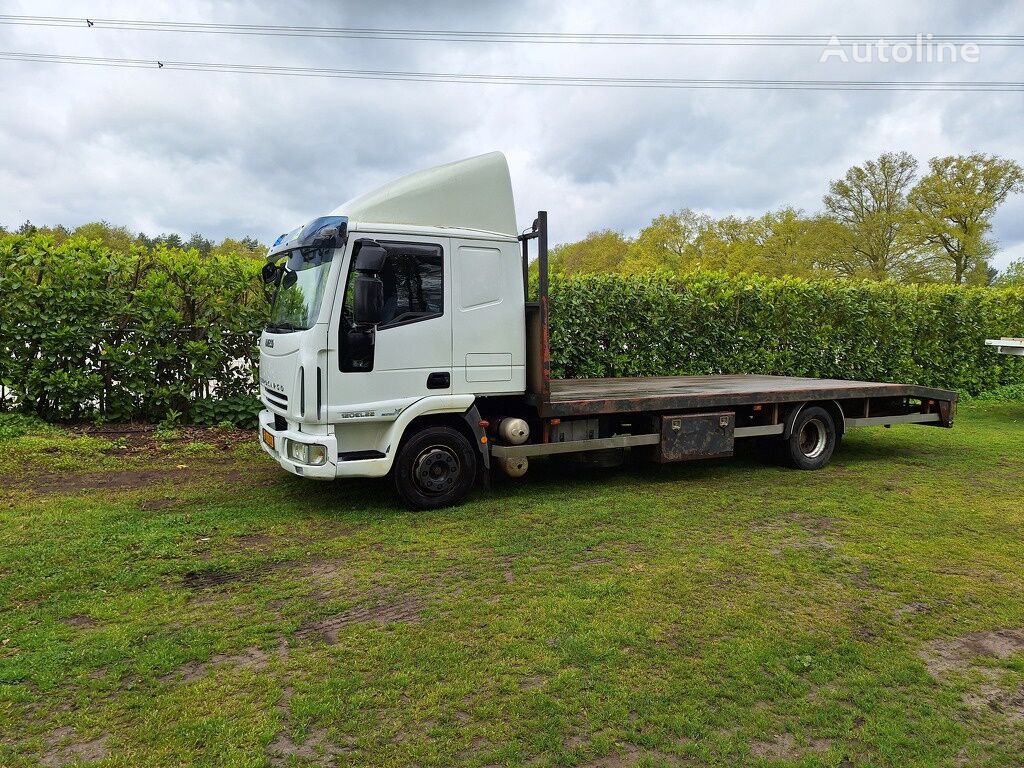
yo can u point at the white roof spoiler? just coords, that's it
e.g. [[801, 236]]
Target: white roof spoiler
[[475, 193]]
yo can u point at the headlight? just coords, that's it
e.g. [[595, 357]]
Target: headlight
[[303, 453], [298, 452], [317, 455]]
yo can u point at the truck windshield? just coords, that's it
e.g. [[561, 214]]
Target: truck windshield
[[300, 290]]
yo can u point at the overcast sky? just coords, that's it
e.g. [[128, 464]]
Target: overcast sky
[[230, 155]]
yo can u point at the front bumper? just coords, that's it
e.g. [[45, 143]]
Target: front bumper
[[326, 471]]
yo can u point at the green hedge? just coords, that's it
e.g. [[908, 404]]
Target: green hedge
[[607, 325], [86, 332]]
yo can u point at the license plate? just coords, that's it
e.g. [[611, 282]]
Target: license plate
[[268, 438]]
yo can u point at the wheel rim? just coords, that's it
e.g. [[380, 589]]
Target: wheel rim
[[436, 470], [813, 438]]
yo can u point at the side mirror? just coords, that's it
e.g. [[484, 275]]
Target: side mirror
[[368, 301], [270, 273], [289, 279], [370, 257]]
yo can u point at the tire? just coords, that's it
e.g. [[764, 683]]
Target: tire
[[435, 467], [813, 441]]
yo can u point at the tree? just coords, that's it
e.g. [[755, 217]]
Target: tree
[[172, 240], [119, 239], [726, 243], [1013, 274], [199, 243], [669, 242], [798, 245], [954, 204], [871, 200], [783, 242], [251, 243], [247, 247], [598, 252]]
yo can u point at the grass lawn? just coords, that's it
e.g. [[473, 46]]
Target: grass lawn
[[191, 603]]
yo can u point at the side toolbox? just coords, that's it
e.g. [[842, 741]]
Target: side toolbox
[[696, 436]]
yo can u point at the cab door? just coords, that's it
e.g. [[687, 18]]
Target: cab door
[[412, 348]]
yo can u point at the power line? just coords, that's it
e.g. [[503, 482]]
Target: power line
[[465, 36], [530, 80]]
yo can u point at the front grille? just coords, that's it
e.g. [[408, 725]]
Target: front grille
[[277, 399]]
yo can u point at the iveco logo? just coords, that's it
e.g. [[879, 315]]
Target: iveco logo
[[272, 386], [268, 343]]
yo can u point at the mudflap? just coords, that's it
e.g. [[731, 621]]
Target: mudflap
[[472, 417]]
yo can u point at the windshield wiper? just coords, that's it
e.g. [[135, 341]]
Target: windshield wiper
[[284, 326]]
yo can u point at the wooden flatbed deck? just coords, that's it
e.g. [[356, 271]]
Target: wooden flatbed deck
[[591, 397]]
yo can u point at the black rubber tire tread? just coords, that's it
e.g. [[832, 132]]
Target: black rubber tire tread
[[794, 457], [402, 472]]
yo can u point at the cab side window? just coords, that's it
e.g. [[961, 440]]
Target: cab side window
[[413, 278]]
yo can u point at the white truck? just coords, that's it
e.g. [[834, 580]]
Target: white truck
[[401, 343]]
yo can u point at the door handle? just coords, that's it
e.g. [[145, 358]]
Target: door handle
[[439, 380]]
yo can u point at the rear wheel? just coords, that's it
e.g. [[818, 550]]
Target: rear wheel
[[813, 440], [434, 468]]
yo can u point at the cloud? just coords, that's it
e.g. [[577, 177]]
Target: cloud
[[243, 154]]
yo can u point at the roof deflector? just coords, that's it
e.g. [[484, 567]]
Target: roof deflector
[[472, 194]]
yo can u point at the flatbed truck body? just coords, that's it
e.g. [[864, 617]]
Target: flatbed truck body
[[584, 397], [1007, 346], [402, 344]]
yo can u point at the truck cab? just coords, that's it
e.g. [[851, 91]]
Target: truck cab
[[400, 308]]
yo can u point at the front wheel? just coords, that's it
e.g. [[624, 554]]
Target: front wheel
[[434, 468], [813, 441]]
